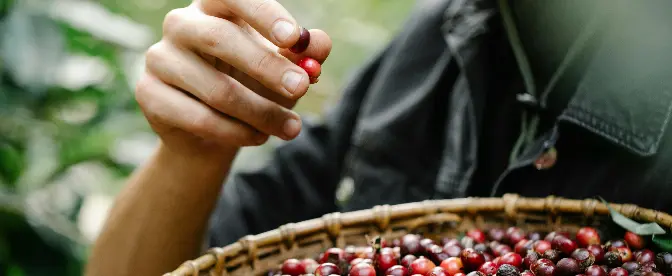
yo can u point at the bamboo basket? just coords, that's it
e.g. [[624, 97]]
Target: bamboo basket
[[256, 255]]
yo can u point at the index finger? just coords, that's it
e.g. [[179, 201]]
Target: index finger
[[269, 18]]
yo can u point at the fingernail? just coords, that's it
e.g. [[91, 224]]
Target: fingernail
[[291, 80], [291, 127], [282, 30]]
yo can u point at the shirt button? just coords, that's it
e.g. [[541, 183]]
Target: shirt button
[[547, 159]]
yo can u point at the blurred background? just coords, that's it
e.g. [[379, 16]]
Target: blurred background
[[70, 131]]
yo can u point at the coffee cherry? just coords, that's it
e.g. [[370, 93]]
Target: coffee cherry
[[436, 253], [387, 259], [360, 260], [511, 258], [471, 259], [541, 246], [631, 267], [310, 265], [333, 252], [619, 271], [488, 268], [507, 270], [634, 241], [567, 267], [421, 266], [553, 255], [645, 256], [410, 244], [612, 259], [349, 253], [327, 269], [502, 249], [397, 270], [475, 273], [302, 44], [530, 258], [450, 241], [550, 236], [312, 68], [625, 253], [644, 268], [481, 247], [610, 245], [664, 262], [514, 235], [488, 257], [543, 267], [459, 274], [584, 257], [522, 246], [293, 267], [452, 265], [587, 236], [534, 236], [651, 274], [467, 242], [496, 234], [597, 251], [595, 270], [477, 235], [426, 243], [564, 244], [362, 269], [453, 250], [407, 260], [527, 273], [438, 271]]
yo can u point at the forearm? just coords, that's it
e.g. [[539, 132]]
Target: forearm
[[159, 219]]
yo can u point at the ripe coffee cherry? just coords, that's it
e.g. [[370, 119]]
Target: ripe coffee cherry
[[534, 236], [436, 253], [633, 240], [330, 252], [488, 257], [397, 270], [522, 246], [507, 270], [467, 242], [327, 269], [471, 259], [410, 244], [488, 268], [567, 267], [543, 267], [452, 265], [426, 243], [530, 258], [477, 235], [302, 44], [527, 273], [631, 267], [595, 270], [293, 267], [564, 244], [511, 258], [550, 236], [449, 241], [584, 257], [514, 235], [664, 262], [587, 236], [597, 251], [475, 273], [496, 234], [407, 260], [362, 269], [421, 266], [612, 259], [438, 271], [625, 253], [502, 249], [553, 255], [481, 247], [387, 259], [453, 250], [541, 246], [310, 265], [619, 271], [610, 245], [652, 274], [645, 256], [312, 67], [460, 274]]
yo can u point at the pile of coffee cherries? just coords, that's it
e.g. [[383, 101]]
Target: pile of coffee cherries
[[501, 252]]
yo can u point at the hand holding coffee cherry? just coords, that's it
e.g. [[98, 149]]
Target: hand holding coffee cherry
[[559, 254], [226, 74]]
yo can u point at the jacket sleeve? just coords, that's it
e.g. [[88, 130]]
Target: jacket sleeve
[[300, 180]]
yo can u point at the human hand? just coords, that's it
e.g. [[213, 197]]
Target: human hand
[[223, 75]]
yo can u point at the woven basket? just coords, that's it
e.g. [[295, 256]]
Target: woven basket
[[256, 255]]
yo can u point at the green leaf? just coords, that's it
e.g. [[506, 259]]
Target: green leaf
[[11, 163], [645, 229], [665, 242]]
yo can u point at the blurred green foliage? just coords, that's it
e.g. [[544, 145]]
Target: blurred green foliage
[[70, 131]]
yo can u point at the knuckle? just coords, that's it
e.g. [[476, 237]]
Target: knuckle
[[153, 55], [269, 116], [263, 63], [223, 93], [202, 122], [216, 35], [142, 88], [172, 21]]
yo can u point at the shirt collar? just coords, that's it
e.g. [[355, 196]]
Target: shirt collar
[[625, 95]]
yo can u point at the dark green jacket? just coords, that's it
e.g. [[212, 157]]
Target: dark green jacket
[[437, 115]]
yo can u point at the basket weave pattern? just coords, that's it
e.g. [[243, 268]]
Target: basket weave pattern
[[256, 255]]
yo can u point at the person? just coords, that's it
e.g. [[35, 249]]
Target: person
[[472, 98]]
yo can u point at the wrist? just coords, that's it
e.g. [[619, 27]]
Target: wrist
[[211, 157]]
